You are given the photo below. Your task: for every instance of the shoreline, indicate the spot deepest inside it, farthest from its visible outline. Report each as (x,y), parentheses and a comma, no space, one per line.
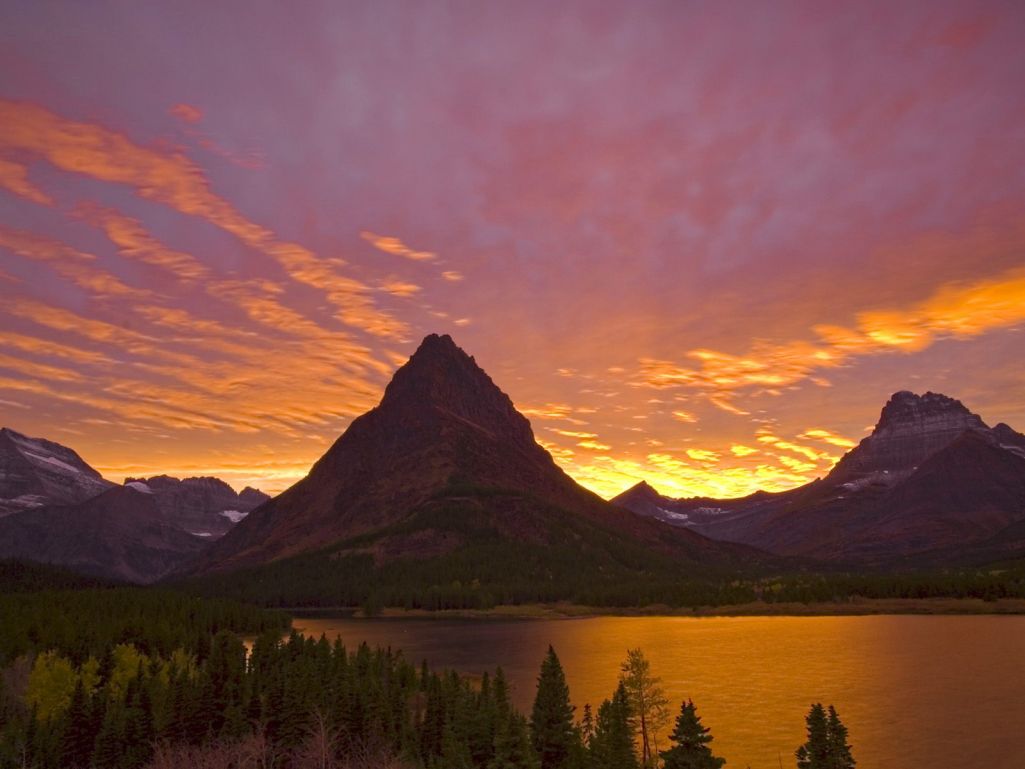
(855,608)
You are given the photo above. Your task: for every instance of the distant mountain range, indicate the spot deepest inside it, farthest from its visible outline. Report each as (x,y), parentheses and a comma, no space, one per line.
(55,508)
(932,478)
(443,486)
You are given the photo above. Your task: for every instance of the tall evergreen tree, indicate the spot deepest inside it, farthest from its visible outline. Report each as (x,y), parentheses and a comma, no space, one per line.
(77,741)
(587,726)
(551,719)
(814,754)
(612,746)
(839,751)
(513,749)
(690,743)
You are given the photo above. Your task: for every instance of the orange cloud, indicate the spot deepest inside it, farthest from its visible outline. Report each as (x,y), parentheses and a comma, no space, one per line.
(392,245)
(76,265)
(742,451)
(187,113)
(684,416)
(703,455)
(400,288)
(14,177)
(174,180)
(452,275)
(953,311)
(829,437)
(805,451)
(135,242)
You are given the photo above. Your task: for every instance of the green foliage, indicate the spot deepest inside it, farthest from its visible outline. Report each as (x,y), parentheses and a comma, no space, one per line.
(648,702)
(88,623)
(27,577)
(988,584)
(690,740)
(827,746)
(612,746)
(551,720)
(51,685)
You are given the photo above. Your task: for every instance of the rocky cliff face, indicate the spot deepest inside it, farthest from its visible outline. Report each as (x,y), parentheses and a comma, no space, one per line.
(910,429)
(931,477)
(35,472)
(206,507)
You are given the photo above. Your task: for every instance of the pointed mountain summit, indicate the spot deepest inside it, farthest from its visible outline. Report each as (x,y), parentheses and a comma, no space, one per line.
(445,467)
(931,477)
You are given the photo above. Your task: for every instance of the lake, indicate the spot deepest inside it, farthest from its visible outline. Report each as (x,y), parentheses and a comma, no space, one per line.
(916,692)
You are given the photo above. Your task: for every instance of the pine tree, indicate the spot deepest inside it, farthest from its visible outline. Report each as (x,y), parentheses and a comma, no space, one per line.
(108,748)
(612,746)
(690,749)
(77,742)
(839,751)
(551,720)
(587,726)
(513,749)
(814,754)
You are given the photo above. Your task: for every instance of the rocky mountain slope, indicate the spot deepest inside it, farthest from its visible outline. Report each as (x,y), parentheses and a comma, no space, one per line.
(121,534)
(205,506)
(445,462)
(35,472)
(932,476)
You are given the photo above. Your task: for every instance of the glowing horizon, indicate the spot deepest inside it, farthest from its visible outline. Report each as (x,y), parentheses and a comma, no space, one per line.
(697,245)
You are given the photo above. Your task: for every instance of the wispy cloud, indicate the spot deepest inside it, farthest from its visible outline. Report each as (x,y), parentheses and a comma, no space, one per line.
(14,178)
(392,245)
(169,177)
(953,311)
(186,113)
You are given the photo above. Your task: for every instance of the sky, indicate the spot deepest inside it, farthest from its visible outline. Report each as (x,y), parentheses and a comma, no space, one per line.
(697,243)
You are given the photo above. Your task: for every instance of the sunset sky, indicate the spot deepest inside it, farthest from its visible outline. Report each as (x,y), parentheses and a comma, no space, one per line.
(696,243)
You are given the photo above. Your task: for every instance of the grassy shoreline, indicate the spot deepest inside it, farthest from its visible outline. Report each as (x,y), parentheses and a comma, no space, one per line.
(859,607)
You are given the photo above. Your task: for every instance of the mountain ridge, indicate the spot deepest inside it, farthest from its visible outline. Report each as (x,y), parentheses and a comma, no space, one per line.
(930,473)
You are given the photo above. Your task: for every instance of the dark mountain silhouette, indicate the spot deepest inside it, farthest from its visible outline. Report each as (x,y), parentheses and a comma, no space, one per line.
(443,463)
(932,476)
(204,506)
(120,534)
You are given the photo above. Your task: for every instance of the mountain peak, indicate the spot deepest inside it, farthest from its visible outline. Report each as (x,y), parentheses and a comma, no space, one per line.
(438,343)
(906,408)
(441,377)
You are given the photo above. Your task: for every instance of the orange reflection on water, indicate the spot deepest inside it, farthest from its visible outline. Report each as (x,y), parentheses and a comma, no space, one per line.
(937,692)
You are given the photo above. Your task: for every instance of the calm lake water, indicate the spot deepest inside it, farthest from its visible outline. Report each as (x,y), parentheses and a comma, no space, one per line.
(916,692)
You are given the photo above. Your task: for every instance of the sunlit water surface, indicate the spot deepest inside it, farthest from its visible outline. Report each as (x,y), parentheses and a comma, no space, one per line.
(916,692)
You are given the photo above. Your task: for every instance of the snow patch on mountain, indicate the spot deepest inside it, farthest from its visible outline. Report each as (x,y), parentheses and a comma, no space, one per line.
(234,515)
(673,515)
(139,486)
(54,461)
